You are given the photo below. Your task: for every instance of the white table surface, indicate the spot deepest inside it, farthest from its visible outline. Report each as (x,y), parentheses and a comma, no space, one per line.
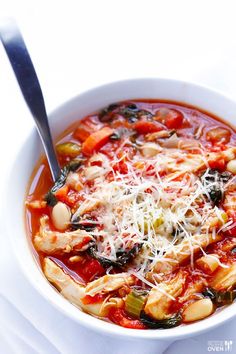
(76,45)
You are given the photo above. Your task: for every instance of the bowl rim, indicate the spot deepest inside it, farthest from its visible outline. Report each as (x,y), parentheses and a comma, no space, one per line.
(58,301)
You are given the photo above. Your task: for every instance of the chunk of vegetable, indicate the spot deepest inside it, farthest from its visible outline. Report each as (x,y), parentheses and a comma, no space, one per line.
(92,269)
(172,118)
(61,193)
(218,134)
(119,317)
(146,127)
(96,140)
(170,322)
(68,149)
(85,128)
(134,303)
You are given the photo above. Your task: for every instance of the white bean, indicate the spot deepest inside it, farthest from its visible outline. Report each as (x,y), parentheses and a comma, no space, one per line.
(231,166)
(198,310)
(61,216)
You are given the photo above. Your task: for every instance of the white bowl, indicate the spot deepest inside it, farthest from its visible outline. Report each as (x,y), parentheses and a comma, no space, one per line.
(60,119)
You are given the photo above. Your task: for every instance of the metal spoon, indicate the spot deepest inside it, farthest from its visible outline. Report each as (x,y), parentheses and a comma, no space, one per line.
(29,84)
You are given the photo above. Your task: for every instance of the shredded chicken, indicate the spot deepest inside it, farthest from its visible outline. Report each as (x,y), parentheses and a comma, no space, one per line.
(52,242)
(71,290)
(182,252)
(158,303)
(75,292)
(108,283)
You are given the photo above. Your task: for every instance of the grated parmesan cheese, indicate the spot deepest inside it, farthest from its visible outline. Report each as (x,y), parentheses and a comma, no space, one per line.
(158,203)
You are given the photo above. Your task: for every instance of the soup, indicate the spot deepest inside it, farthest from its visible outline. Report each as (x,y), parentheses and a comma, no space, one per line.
(140,227)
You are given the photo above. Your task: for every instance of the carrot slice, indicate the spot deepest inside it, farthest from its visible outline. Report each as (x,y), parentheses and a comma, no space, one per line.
(96,140)
(62,192)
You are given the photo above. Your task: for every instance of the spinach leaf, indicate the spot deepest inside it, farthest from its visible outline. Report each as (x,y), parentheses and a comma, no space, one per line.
(123,257)
(214,182)
(130,111)
(134,114)
(220,298)
(105,114)
(76,224)
(155,324)
(50,196)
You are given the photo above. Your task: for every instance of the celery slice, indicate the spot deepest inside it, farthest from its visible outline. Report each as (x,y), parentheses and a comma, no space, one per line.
(134,303)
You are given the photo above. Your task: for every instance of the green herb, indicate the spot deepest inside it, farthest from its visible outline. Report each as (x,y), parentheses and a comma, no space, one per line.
(220,298)
(132,119)
(105,115)
(51,199)
(155,324)
(132,107)
(50,196)
(115,136)
(76,223)
(214,182)
(134,115)
(122,257)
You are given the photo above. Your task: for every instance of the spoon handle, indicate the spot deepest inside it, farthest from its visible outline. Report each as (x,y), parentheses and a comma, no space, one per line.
(29,84)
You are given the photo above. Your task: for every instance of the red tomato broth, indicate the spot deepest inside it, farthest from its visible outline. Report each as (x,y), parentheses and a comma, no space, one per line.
(41,182)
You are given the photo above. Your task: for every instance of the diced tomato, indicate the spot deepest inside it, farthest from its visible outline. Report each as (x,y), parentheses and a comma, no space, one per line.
(216,148)
(119,317)
(231,232)
(72,198)
(146,127)
(172,118)
(121,167)
(91,269)
(218,164)
(218,135)
(84,242)
(93,299)
(120,121)
(61,193)
(96,140)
